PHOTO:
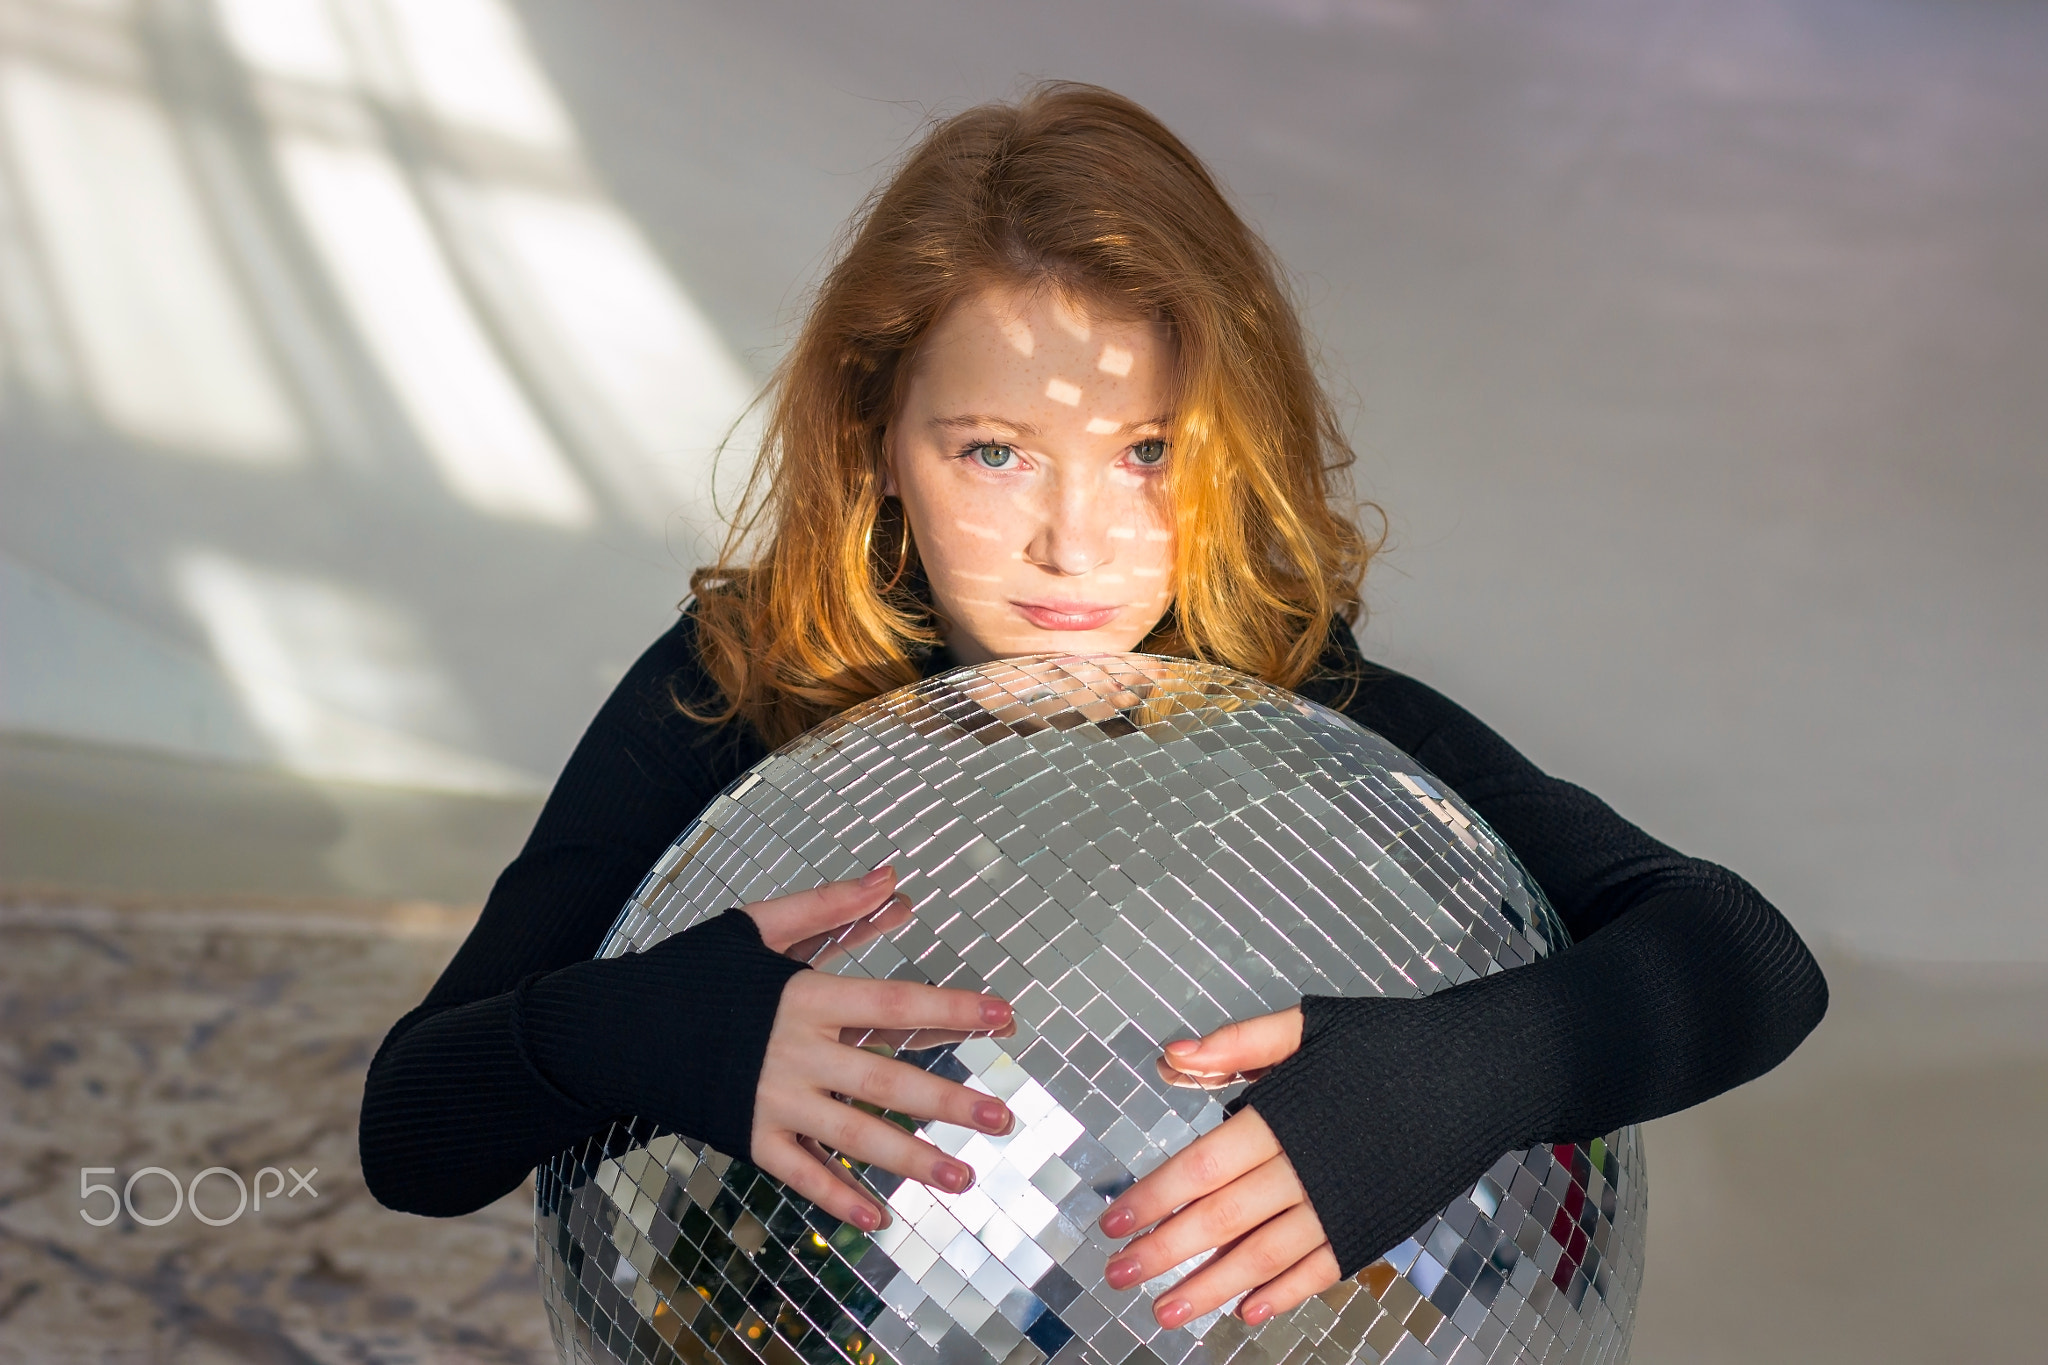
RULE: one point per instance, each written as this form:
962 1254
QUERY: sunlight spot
470 65
1115 360
1071 320
1123 533
975 577
1060 391
168 352
1158 534
629 357
28 315
984 532
1018 333
295 39
491 449
1101 426
340 686
1148 573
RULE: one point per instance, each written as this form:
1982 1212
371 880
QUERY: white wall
361 361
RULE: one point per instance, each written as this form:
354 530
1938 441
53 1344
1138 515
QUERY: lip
1067 615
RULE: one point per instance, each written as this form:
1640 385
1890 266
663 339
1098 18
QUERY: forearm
1392 1107
1699 988
455 1114
461 1103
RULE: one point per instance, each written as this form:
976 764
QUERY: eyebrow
974 421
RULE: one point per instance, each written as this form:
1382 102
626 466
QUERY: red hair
1081 190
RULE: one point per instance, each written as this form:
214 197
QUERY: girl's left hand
1235 1191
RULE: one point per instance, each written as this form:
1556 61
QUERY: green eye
1149 452
994 456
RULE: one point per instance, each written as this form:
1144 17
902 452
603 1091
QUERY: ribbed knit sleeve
514 1053
1683 982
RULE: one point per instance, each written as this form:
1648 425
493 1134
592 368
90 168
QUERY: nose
1073 533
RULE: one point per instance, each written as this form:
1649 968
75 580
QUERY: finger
785 920
820 949
1213 1221
1245 1045
1260 1258
1307 1277
914 1040
1241 1143
1216 1080
894 914
839 1170
905 1089
780 1155
862 1137
928 1037
839 1002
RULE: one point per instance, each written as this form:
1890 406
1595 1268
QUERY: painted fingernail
1184 1047
1119 1222
878 876
955 1177
866 1219
995 1012
990 1116
1174 1313
1256 1313
1123 1271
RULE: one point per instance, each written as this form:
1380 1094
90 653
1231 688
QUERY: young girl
1053 398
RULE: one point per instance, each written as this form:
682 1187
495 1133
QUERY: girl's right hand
815 1062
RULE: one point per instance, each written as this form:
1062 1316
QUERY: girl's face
1030 455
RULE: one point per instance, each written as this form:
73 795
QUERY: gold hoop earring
902 549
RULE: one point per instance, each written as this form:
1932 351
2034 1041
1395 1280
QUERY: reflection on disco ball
1130 849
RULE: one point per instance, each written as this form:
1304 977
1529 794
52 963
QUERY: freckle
1115 360
1060 391
1100 426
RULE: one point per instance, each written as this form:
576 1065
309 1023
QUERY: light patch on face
1064 528
1071 321
1115 360
1017 332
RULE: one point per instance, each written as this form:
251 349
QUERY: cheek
961 530
1143 518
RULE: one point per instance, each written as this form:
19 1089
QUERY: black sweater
1684 982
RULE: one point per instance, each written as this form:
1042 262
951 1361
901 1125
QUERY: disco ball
1130 849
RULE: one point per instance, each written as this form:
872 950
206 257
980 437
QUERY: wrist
675 1034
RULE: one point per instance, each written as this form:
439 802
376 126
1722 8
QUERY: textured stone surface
193 1036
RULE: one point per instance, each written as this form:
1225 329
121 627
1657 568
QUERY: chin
1075 642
